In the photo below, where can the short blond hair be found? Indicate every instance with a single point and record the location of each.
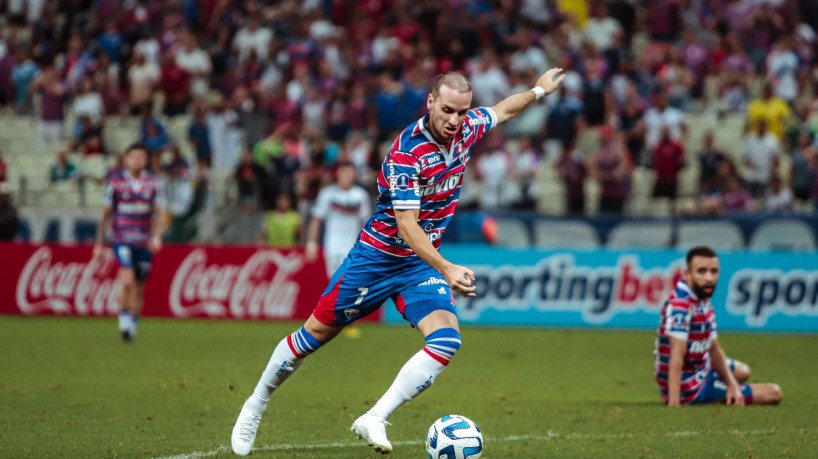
(454, 80)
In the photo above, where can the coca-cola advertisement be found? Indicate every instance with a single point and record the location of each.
(185, 281)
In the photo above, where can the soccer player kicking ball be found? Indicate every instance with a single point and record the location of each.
(133, 207)
(690, 366)
(396, 255)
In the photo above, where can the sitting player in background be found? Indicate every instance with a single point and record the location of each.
(134, 208)
(396, 256)
(690, 366)
(344, 207)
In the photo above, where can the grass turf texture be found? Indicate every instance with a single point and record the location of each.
(70, 388)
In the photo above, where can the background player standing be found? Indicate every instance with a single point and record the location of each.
(396, 256)
(344, 208)
(690, 365)
(134, 208)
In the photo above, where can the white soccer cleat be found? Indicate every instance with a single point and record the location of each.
(244, 432)
(373, 430)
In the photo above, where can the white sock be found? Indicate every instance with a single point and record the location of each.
(125, 321)
(282, 364)
(415, 376)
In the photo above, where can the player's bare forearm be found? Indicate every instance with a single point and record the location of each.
(459, 278)
(104, 221)
(719, 361)
(674, 372)
(511, 106)
(417, 240)
(157, 228)
(313, 230)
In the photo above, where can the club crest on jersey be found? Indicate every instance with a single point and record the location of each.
(441, 291)
(351, 312)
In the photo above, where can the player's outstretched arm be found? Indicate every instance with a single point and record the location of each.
(459, 277)
(510, 106)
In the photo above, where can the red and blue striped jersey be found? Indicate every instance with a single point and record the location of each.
(419, 173)
(685, 317)
(133, 201)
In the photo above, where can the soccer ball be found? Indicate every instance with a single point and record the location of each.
(454, 437)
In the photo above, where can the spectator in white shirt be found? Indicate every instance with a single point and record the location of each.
(662, 115)
(143, 76)
(195, 60)
(601, 28)
(254, 37)
(488, 81)
(760, 155)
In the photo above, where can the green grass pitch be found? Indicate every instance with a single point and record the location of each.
(70, 388)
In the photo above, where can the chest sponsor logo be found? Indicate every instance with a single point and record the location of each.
(445, 185)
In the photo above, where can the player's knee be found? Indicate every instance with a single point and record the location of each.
(443, 343)
(742, 372)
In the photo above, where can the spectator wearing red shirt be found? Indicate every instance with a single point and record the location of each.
(668, 160)
(175, 86)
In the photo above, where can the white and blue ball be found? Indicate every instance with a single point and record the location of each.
(454, 437)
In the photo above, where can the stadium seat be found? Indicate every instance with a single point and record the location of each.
(640, 234)
(512, 232)
(564, 234)
(718, 234)
(784, 234)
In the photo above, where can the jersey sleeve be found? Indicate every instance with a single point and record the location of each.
(677, 319)
(480, 121)
(402, 174)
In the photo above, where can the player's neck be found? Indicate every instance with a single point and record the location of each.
(135, 173)
(436, 135)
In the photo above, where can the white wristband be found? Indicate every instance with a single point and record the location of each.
(539, 92)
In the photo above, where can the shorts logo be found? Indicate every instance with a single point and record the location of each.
(433, 281)
(351, 312)
(441, 290)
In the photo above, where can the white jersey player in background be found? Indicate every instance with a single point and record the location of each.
(342, 208)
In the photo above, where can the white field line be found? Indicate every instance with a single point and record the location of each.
(549, 436)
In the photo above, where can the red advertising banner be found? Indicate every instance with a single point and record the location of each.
(185, 281)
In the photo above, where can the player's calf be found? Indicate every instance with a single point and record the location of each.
(766, 394)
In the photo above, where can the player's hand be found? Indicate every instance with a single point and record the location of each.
(96, 254)
(460, 280)
(734, 396)
(155, 244)
(311, 251)
(548, 82)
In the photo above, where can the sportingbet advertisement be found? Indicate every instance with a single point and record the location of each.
(756, 291)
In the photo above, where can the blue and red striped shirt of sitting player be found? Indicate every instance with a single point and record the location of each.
(686, 317)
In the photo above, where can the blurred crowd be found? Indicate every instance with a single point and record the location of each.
(278, 93)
